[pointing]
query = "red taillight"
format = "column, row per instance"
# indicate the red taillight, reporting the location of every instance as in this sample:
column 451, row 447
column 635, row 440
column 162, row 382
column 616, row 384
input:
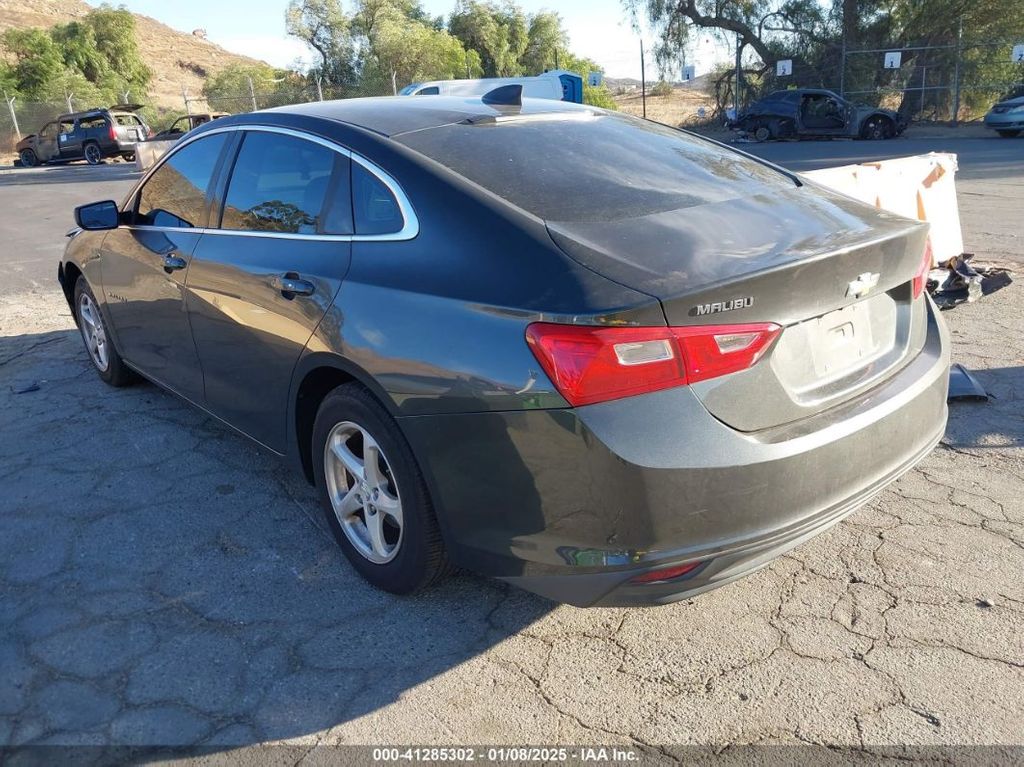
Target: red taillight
column 113, row 132
column 666, row 574
column 921, row 278
column 591, row 364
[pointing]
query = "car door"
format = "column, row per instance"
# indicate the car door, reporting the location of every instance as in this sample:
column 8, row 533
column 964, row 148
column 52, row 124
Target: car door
column 259, row 284
column 46, row 143
column 144, row 266
column 69, row 144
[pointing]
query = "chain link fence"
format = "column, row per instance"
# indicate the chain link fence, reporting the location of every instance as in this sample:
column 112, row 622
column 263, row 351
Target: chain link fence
column 950, row 81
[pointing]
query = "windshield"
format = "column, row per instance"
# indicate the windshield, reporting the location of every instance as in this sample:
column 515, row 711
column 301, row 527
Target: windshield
column 580, row 167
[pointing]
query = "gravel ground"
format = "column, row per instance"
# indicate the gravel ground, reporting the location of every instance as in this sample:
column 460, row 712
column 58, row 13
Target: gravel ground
column 163, row 581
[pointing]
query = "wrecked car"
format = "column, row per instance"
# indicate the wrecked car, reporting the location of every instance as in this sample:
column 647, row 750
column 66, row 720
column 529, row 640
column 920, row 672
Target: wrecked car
column 92, row 135
column 185, row 123
column 813, row 113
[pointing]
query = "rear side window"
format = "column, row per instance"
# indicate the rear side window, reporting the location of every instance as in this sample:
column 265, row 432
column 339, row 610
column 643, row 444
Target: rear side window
column 175, row 195
column 601, row 167
column 375, row 207
column 280, row 184
column 92, row 122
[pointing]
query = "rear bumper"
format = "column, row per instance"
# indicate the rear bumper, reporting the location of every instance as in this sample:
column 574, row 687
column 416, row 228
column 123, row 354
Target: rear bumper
column 573, row 504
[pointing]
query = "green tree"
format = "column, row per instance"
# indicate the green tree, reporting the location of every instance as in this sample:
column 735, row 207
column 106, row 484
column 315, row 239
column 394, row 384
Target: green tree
column 405, row 50
column 114, row 30
column 324, row 27
column 36, row 61
column 546, row 43
column 229, row 90
column 496, row 31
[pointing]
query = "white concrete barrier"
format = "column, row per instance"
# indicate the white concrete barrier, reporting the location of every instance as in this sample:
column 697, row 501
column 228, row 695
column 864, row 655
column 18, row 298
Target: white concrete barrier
column 148, row 152
column 920, row 187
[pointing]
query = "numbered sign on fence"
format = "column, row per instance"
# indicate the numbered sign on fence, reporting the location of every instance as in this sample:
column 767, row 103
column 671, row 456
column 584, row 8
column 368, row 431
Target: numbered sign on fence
column 893, row 59
column 784, row 67
column 1018, row 53
column 594, row 79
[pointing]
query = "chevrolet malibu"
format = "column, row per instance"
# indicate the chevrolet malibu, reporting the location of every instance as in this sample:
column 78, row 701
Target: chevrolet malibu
column 605, row 360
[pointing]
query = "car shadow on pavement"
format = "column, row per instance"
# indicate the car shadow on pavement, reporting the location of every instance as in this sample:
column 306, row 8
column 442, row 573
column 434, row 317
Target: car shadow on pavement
column 164, row 581
column 997, row 423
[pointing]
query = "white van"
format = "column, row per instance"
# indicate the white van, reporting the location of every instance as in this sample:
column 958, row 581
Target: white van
column 557, row 84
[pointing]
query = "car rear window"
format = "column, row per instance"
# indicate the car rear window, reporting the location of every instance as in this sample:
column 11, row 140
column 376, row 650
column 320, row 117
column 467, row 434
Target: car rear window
column 129, row 121
column 598, row 167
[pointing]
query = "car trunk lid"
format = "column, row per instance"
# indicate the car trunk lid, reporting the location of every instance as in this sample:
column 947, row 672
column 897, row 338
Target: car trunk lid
column 833, row 272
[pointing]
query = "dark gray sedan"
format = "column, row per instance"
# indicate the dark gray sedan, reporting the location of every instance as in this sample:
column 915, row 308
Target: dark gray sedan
column 605, row 360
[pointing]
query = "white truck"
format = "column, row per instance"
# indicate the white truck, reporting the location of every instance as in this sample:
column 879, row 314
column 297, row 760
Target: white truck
column 558, row 84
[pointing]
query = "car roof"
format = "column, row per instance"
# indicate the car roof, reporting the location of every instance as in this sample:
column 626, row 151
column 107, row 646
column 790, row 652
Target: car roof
column 392, row 115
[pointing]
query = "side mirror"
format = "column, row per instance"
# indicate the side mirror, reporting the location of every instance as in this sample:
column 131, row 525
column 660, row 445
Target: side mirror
column 97, row 215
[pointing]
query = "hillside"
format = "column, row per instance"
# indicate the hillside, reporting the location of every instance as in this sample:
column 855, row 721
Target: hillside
column 178, row 59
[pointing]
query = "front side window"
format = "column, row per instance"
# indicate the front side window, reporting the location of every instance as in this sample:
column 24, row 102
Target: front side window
column 175, row 195
column 279, row 184
column 47, row 130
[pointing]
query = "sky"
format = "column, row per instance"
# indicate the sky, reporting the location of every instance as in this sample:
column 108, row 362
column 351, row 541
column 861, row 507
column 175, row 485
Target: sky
column 598, row 29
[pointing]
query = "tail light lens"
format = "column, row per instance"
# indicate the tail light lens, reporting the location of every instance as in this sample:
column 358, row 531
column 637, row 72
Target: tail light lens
column 921, row 278
column 594, row 364
column 113, row 132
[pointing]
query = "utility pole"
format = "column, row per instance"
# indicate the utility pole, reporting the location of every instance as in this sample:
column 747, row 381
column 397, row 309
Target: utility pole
column 956, row 72
column 252, row 94
column 69, row 97
column 14, row 117
column 643, row 79
column 842, row 68
column 736, row 95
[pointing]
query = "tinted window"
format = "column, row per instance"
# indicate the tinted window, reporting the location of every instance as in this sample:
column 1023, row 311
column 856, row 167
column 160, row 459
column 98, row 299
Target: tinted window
column 603, row 167
column 376, row 210
column 432, row 90
column 279, row 184
column 175, row 195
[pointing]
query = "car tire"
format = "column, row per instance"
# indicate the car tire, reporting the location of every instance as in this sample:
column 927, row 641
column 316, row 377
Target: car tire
column 762, row 133
column 401, row 554
column 28, row 158
column 1008, row 133
column 100, row 347
column 877, row 128
column 92, row 153
column 128, row 157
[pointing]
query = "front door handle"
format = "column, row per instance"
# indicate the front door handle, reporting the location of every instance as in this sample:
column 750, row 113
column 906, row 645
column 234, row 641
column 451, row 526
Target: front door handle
column 174, row 262
column 291, row 285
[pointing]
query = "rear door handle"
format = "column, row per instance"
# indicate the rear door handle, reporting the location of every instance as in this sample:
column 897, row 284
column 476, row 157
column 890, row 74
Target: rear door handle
column 173, row 262
column 291, row 285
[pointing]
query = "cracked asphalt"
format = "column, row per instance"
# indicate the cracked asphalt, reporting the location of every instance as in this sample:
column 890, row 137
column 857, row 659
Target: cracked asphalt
column 165, row 582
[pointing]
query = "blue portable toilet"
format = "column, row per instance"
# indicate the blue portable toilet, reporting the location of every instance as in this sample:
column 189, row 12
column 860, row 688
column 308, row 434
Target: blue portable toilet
column 572, row 84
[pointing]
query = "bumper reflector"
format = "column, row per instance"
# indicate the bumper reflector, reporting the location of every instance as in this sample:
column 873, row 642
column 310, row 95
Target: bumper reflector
column 666, row 573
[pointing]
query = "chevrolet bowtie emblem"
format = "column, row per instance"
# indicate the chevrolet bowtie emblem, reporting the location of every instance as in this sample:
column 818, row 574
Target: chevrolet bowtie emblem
column 862, row 285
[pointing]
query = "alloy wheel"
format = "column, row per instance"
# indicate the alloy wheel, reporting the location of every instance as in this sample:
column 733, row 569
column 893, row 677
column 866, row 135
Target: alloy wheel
column 363, row 492
column 95, row 337
column 92, row 154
